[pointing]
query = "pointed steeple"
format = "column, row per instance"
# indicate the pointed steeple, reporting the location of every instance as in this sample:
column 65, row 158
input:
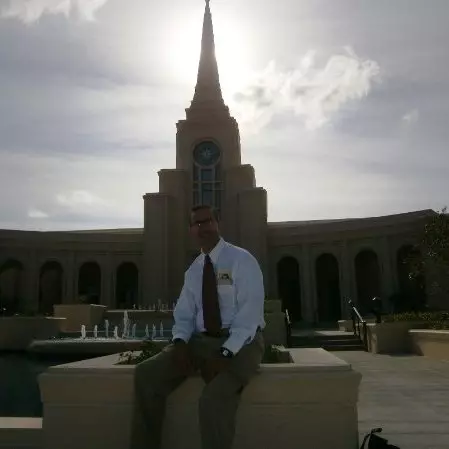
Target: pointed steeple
column 208, row 90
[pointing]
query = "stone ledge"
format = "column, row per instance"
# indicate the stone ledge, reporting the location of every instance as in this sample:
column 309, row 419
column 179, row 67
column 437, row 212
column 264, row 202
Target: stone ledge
column 18, row 433
column 430, row 343
column 391, row 337
column 285, row 403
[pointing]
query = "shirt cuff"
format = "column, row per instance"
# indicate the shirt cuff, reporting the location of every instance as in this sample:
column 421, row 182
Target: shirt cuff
column 181, row 336
column 236, row 341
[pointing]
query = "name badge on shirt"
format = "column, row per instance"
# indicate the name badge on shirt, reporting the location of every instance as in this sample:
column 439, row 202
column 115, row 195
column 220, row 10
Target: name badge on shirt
column 224, row 277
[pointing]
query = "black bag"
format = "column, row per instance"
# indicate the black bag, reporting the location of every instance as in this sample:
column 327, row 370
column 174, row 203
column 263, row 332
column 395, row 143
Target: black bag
column 376, row 442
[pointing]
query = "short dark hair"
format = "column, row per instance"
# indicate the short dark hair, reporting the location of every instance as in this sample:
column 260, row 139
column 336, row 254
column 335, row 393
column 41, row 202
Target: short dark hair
column 205, row 207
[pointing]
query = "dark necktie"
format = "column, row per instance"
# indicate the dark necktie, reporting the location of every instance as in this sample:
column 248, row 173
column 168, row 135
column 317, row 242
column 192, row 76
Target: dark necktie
column 211, row 306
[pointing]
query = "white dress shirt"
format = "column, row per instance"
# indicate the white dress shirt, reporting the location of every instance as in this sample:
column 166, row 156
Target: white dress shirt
column 240, row 293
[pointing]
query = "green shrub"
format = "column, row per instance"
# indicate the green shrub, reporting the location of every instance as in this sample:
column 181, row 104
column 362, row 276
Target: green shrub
column 434, row 320
column 150, row 349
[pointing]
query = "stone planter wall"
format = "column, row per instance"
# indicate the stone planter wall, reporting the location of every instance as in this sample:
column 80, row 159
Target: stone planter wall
column 275, row 332
column 89, row 405
column 17, row 332
column 430, row 343
column 391, row 338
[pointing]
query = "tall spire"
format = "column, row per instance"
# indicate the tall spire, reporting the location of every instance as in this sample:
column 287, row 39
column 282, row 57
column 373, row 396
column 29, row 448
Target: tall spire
column 207, row 91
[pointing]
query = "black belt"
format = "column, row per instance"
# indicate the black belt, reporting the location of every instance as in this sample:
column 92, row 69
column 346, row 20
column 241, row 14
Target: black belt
column 222, row 333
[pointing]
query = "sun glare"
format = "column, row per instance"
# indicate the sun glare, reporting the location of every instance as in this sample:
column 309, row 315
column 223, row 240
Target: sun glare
column 231, row 52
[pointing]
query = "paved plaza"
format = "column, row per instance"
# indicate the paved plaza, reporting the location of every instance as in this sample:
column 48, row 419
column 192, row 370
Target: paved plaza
column 406, row 395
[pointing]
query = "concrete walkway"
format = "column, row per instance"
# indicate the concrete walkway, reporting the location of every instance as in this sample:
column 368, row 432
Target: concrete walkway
column 408, row 396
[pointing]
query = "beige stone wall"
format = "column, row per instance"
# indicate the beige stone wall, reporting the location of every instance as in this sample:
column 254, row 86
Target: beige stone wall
column 391, row 338
column 430, row 343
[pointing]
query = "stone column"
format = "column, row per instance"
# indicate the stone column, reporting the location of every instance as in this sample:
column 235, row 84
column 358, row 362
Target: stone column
column 252, row 215
column 157, row 227
column 306, row 279
column 175, row 184
column 388, row 272
column 347, row 290
column 31, row 291
column 107, row 283
column 71, row 290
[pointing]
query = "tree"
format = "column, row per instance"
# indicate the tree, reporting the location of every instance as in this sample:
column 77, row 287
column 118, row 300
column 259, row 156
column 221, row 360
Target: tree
column 433, row 254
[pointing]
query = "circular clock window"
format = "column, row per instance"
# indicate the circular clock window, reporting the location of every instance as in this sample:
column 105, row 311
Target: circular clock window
column 206, row 154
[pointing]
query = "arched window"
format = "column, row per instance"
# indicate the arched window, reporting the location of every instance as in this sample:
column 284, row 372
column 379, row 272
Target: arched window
column 289, row 286
column 207, row 177
column 328, row 288
column 127, row 286
column 89, row 282
column 50, row 286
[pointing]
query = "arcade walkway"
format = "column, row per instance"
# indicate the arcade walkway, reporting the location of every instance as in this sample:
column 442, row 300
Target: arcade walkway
column 406, row 395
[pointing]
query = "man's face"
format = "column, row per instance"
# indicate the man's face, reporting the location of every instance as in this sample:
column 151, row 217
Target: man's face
column 204, row 228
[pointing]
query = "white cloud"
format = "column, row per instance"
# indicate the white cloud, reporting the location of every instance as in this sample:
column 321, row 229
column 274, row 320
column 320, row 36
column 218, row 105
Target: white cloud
column 411, row 117
column 32, row 10
column 314, row 93
column 36, row 213
column 78, row 198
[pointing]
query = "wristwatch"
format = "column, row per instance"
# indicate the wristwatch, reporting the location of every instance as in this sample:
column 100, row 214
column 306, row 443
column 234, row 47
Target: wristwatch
column 225, row 352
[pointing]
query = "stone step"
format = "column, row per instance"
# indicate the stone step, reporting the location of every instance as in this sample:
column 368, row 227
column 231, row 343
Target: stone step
column 349, row 347
column 330, row 341
column 20, row 433
column 333, row 346
column 326, row 338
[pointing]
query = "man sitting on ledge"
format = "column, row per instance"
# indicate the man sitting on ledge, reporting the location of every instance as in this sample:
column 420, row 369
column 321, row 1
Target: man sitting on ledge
column 218, row 326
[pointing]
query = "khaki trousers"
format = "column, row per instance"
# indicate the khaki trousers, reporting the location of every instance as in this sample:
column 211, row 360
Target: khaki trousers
column 156, row 378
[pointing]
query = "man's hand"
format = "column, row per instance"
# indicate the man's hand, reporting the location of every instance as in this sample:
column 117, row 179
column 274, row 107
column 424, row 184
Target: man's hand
column 182, row 357
column 213, row 367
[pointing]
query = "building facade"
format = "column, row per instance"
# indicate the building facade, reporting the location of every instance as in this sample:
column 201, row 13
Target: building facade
column 314, row 267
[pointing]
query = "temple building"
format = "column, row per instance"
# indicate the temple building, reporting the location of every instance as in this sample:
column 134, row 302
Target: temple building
column 315, row 267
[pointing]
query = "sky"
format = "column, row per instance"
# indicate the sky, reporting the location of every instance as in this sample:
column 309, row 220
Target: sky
column 343, row 106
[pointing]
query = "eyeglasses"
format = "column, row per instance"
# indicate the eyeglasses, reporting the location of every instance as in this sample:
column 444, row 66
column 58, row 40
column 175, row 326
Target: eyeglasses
column 199, row 223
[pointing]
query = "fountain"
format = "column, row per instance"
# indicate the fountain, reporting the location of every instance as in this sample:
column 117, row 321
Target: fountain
column 125, row 333
column 102, row 341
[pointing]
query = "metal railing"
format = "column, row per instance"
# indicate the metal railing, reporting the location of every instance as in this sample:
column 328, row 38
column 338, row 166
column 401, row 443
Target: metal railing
column 359, row 325
column 288, row 329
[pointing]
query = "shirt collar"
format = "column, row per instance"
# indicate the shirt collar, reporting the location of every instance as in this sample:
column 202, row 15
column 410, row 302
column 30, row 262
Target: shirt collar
column 216, row 251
